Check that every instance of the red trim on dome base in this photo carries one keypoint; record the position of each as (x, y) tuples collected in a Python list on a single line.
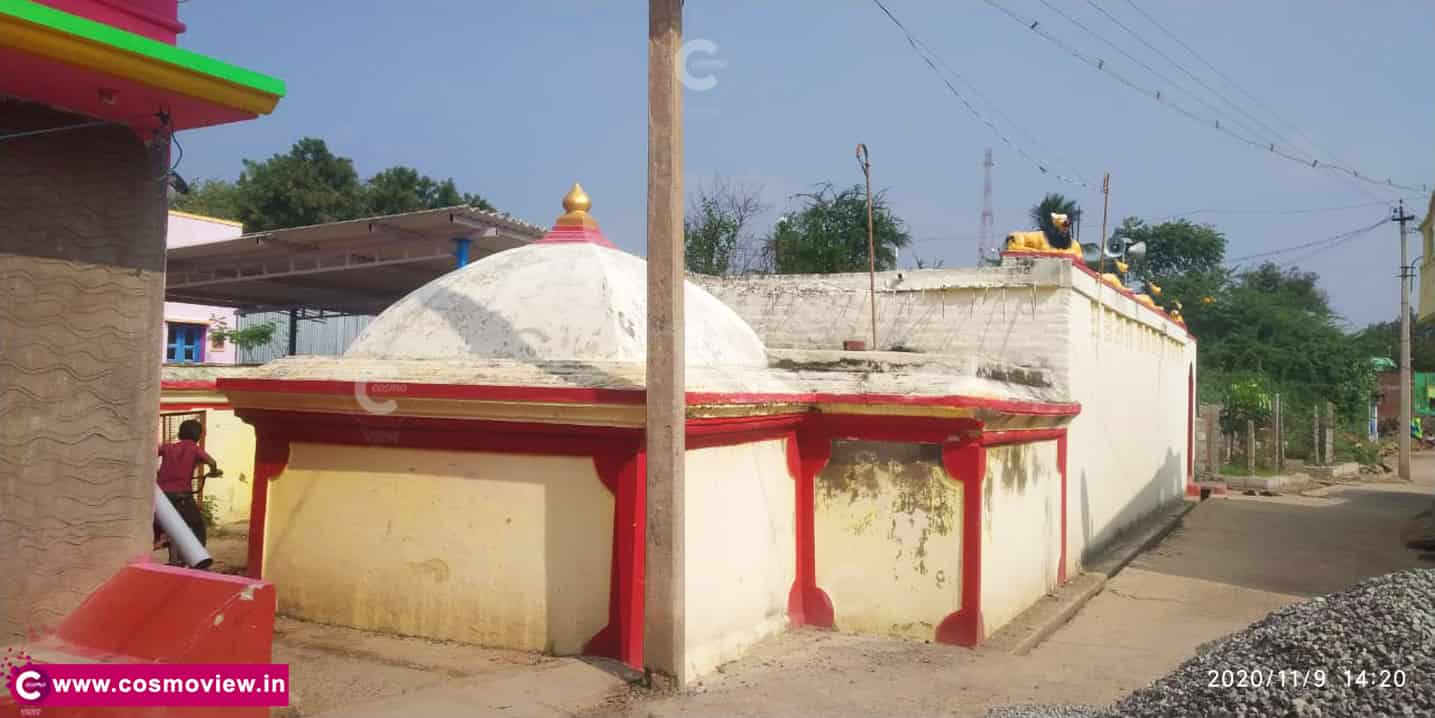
[(567, 234)]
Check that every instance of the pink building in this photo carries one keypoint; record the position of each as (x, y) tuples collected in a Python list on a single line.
[(189, 335)]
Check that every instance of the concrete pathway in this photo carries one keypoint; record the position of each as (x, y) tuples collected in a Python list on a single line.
[(1233, 561)]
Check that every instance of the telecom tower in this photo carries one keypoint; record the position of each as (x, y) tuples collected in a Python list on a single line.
[(984, 237)]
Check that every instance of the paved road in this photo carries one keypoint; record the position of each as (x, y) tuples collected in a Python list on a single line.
[(1233, 561)]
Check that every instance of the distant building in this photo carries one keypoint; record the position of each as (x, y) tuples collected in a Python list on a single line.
[(190, 330), (1422, 391)]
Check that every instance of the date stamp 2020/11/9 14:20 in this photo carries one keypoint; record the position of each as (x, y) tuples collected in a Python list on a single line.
[(1306, 678)]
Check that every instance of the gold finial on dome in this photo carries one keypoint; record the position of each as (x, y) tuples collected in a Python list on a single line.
[(576, 205)]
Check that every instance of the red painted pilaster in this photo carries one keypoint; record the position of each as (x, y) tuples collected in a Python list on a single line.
[(623, 471), (966, 462), (808, 451), (271, 455)]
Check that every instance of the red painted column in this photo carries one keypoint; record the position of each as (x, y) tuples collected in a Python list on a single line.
[(271, 455), (808, 451), (966, 461), (624, 472)]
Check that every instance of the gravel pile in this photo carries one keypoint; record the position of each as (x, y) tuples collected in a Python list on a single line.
[(1366, 651)]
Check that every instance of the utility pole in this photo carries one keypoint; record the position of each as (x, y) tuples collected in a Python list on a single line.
[(1105, 206), (666, 419), (984, 236), (1405, 398), (866, 162)]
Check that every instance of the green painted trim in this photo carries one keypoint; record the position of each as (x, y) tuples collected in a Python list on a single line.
[(102, 34)]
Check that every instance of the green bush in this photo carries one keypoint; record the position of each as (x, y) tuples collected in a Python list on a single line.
[(209, 509)]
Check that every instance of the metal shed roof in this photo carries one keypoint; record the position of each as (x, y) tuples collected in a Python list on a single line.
[(358, 266)]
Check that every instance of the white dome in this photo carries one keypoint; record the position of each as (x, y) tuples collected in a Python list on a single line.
[(551, 301)]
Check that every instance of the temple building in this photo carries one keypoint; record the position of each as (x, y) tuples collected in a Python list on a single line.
[(473, 467)]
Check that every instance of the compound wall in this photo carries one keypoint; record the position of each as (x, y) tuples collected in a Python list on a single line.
[(1129, 366)]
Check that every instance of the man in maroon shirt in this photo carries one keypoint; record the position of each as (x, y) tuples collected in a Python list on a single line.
[(178, 460)]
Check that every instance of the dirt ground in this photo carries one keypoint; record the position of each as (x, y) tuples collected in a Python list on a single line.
[(1232, 561)]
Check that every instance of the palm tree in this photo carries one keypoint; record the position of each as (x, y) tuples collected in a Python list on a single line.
[(1054, 202)]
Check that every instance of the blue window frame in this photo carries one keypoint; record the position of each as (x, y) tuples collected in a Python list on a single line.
[(185, 343)]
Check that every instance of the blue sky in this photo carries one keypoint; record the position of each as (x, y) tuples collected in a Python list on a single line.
[(517, 100)]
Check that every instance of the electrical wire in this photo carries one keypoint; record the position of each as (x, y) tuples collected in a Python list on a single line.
[(1320, 244), (1216, 124), (1310, 210), (49, 130), (1228, 80), (931, 60), (1159, 75), (1273, 133), (1310, 144)]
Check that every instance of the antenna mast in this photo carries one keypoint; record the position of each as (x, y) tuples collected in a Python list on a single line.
[(984, 237)]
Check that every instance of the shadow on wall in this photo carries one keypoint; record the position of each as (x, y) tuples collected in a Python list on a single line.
[(467, 307), (406, 589), (1167, 485)]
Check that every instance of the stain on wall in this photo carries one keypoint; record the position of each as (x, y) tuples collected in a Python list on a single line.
[(1021, 530), (888, 529), (81, 294)]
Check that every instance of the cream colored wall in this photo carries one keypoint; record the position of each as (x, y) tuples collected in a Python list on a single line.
[(740, 553), (888, 528), (1126, 365), (231, 442), (1021, 529), (1127, 450), (495, 549)]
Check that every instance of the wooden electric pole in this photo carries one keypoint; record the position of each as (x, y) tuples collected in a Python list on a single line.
[(866, 162), (666, 398), (1105, 205), (1405, 397)]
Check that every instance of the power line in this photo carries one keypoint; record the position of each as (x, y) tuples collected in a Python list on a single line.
[(1229, 81), (931, 59), (1320, 244), (1270, 147), (1159, 75), (1273, 133), (1310, 210)]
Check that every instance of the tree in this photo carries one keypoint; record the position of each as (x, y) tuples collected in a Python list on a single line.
[(829, 234), (402, 189), (309, 185), (1174, 248), (1278, 323), (1382, 339), (1054, 203), (1183, 258), (250, 337), (715, 231), (211, 198)]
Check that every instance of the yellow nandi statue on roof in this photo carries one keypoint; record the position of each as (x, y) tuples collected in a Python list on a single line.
[(1043, 242)]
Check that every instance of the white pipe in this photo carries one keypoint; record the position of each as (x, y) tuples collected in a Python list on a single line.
[(190, 549)]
